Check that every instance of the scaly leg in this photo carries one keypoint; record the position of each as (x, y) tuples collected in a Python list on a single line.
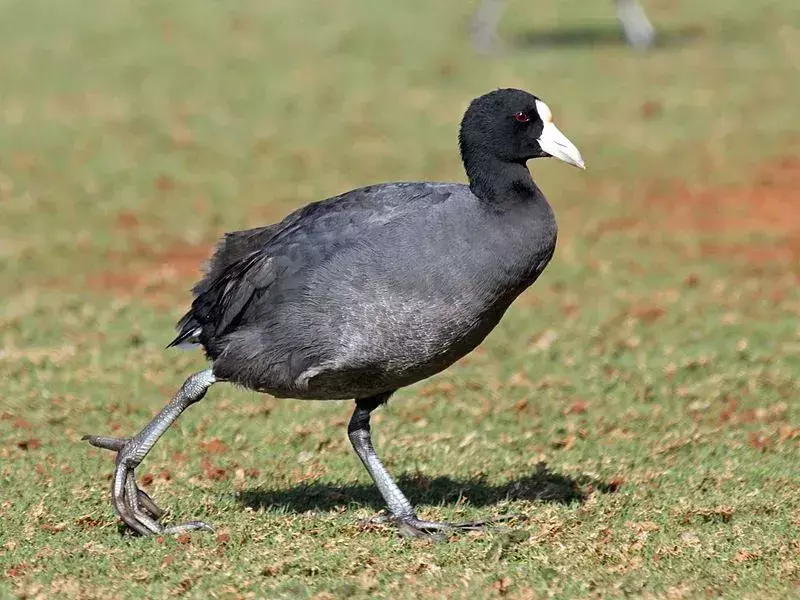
[(402, 513), (483, 27), (637, 27), (134, 506)]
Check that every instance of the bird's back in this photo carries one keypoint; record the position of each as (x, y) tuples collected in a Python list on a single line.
[(249, 262)]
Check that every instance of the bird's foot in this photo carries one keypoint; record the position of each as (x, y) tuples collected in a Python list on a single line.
[(411, 526), (133, 505)]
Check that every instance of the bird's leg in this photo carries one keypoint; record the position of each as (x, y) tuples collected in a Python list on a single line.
[(637, 27), (134, 506), (483, 27), (402, 513)]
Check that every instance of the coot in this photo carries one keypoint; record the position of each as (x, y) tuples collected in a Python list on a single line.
[(359, 295)]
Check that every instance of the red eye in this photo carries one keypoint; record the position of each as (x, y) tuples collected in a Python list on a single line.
[(522, 117)]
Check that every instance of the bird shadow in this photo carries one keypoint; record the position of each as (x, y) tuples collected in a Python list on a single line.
[(601, 35), (543, 485)]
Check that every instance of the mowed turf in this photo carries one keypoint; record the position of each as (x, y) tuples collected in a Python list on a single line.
[(637, 409)]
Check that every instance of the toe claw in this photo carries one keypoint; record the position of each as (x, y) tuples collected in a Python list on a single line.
[(484, 523), (409, 530), (108, 443), (189, 526), (414, 527), (377, 520), (151, 507)]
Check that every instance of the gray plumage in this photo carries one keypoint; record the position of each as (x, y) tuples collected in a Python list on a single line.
[(370, 291)]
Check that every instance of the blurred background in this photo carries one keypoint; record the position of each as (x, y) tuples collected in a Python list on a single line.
[(653, 369)]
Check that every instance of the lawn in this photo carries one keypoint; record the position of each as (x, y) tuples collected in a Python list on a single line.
[(637, 410)]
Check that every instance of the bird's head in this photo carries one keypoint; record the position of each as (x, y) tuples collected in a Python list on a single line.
[(514, 126)]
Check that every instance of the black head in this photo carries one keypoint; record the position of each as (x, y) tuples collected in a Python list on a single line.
[(513, 126)]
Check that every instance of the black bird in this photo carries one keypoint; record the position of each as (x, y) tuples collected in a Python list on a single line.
[(367, 292)]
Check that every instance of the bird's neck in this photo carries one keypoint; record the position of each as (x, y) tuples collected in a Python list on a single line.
[(499, 183), (524, 235)]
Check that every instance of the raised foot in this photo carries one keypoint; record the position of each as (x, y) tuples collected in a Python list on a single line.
[(137, 510), (411, 526)]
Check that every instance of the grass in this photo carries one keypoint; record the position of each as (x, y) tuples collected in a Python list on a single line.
[(638, 408)]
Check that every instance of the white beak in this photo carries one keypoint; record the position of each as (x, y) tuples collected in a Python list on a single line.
[(558, 146)]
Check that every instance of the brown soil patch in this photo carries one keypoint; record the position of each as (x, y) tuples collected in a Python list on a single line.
[(157, 277), (769, 206)]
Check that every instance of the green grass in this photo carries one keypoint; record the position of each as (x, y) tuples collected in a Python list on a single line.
[(638, 408)]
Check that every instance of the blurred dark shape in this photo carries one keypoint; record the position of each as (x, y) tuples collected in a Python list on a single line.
[(636, 27)]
